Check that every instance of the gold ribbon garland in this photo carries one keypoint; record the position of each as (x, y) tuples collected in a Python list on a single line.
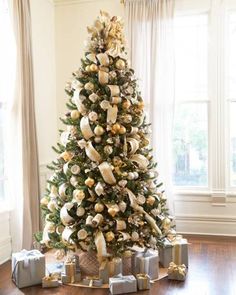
[(66, 219), (92, 153), (85, 128), (112, 114), (106, 172), (100, 245)]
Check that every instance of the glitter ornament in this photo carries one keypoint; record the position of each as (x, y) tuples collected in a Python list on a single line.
[(82, 234), (120, 64), (99, 207), (78, 195), (126, 104), (97, 139), (109, 236), (89, 86), (116, 99), (80, 211), (93, 68), (130, 175), (108, 149), (150, 200), (93, 116)]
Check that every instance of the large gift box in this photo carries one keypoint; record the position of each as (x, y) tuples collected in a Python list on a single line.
[(146, 262), (177, 272), (175, 250), (122, 284), (110, 268), (28, 268)]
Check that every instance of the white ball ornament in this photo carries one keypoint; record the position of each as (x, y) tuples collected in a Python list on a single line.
[(130, 175), (136, 175), (93, 116), (97, 139), (75, 169), (134, 236), (99, 130), (73, 181)]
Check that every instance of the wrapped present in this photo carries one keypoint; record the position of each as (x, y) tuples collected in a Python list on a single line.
[(50, 281), (92, 281), (146, 262), (177, 272), (174, 250), (122, 284), (65, 279), (110, 268), (55, 268), (28, 268), (143, 281)]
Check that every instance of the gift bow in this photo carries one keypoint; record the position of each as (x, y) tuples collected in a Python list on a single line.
[(144, 278), (120, 277), (177, 269), (51, 277), (27, 255)]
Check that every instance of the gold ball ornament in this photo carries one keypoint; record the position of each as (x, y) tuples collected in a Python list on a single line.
[(44, 201), (93, 68), (166, 223), (122, 130), (126, 104), (99, 207), (75, 115), (150, 200), (87, 68), (110, 236), (120, 64), (89, 182), (98, 130), (115, 128)]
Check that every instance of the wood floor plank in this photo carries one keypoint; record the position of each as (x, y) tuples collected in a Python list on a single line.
[(212, 271)]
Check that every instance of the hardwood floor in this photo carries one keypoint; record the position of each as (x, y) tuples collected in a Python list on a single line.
[(212, 271)]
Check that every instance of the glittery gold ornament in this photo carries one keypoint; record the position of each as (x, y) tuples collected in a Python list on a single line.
[(122, 130), (109, 236), (89, 182), (99, 130), (127, 118), (67, 156), (78, 195), (141, 105), (113, 210), (120, 225), (120, 64), (87, 68), (93, 68), (99, 207), (150, 200), (89, 86), (75, 115), (126, 104), (166, 222)]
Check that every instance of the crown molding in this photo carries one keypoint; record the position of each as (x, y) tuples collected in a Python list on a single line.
[(73, 2)]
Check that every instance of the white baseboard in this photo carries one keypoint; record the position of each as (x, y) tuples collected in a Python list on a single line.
[(206, 226)]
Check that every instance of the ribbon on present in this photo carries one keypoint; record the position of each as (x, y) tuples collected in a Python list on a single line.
[(92, 281), (178, 270), (51, 277), (143, 280), (25, 256), (176, 250)]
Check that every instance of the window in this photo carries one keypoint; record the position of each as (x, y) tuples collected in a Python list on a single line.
[(191, 115), (204, 137), (7, 70)]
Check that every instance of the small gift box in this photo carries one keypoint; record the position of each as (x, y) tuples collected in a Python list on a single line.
[(146, 262), (72, 273), (28, 268), (174, 250), (55, 268), (122, 284), (65, 279), (143, 281), (92, 281), (50, 281), (110, 268), (177, 272)]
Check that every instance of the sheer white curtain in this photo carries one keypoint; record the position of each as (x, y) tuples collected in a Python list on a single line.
[(22, 156), (150, 35)]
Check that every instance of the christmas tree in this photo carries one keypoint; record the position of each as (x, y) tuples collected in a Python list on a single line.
[(104, 194)]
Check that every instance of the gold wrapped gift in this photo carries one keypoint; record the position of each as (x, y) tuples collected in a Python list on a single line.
[(143, 281), (177, 272)]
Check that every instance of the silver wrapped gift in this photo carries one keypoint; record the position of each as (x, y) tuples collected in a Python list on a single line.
[(92, 281), (175, 250), (28, 268), (146, 262), (122, 284), (110, 268)]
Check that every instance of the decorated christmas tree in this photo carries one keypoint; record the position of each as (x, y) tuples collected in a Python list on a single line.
[(104, 194)]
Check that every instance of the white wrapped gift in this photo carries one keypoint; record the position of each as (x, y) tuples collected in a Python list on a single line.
[(28, 268), (122, 284), (146, 262)]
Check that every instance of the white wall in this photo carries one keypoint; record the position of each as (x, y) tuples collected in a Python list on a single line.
[(71, 21)]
